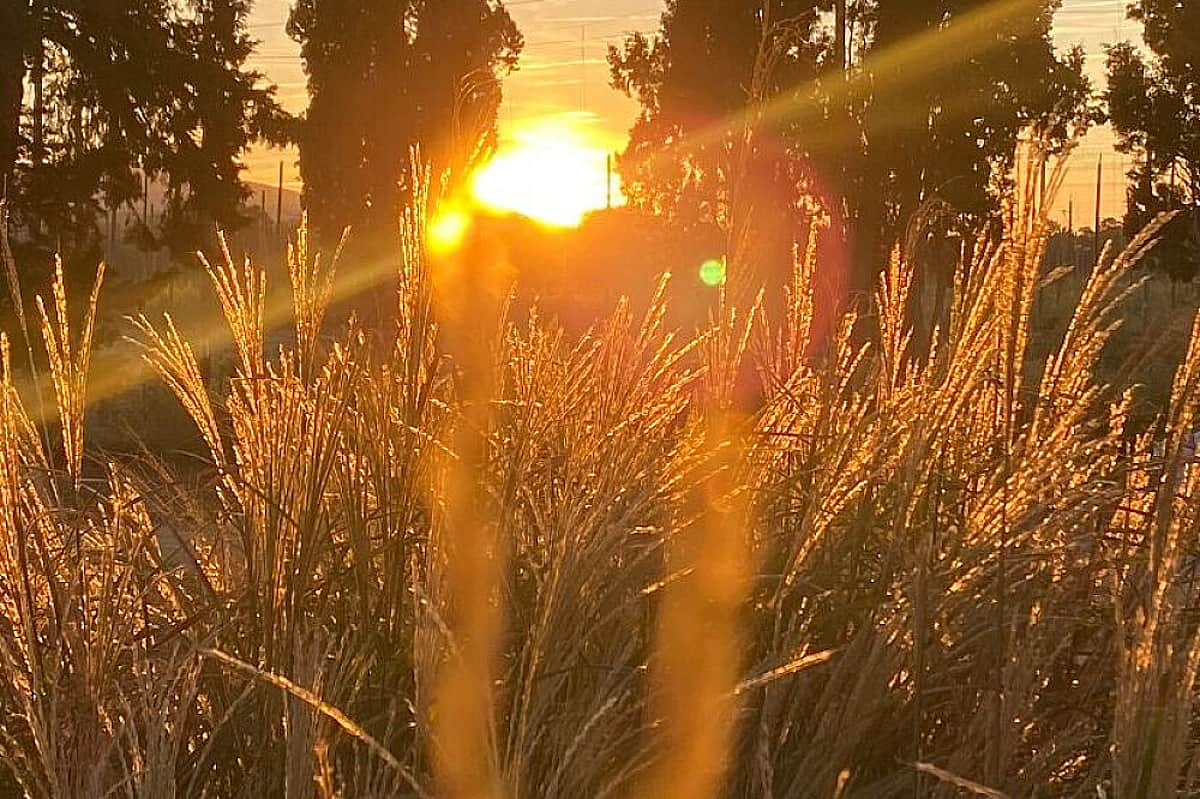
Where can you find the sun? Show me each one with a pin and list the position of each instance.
(549, 170)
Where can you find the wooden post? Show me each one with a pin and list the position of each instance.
(608, 163)
(839, 35)
(279, 204)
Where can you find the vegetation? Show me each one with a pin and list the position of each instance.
(471, 557)
(96, 97)
(925, 545)
(894, 107)
(1154, 104)
(384, 76)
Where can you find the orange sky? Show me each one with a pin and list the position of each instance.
(563, 72)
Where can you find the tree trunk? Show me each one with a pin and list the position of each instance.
(14, 18)
(38, 150)
(839, 34)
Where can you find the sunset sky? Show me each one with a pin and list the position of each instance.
(563, 73)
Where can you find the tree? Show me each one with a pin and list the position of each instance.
(1153, 100)
(956, 83)
(122, 87)
(694, 155)
(916, 101)
(229, 110)
(385, 76)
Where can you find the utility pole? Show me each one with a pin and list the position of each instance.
(153, 253)
(146, 218)
(1071, 232)
(1096, 229)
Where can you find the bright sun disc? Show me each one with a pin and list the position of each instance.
(549, 172)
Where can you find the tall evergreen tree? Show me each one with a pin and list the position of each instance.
(228, 110)
(955, 84)
(385, 76)
(910, 101)
(14, 23)
(699, 82)
(1154, 105)
(120, 87)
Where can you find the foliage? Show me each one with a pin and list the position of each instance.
(384, 76)
(1154, 105)
(689, 145)
(128, 87)
(914, 101)
(903, 571)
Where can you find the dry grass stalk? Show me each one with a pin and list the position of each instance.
(69, 364)
(494, 558)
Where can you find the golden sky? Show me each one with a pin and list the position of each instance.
(563, 73)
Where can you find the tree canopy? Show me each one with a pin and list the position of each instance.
(385, 76)
(1154, 105)
(872, 107)
(120, 89)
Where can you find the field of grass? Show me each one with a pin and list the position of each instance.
(462, 556)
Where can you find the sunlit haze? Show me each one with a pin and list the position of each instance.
(548, 170)
(564, 76)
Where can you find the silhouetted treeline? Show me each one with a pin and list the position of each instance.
(99, 99)
(387, 76)
(759, 116)
(1154, 105)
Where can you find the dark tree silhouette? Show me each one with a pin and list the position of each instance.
(955, 85)
(120, 86)
(910, 101)
(1154, 106)
(385, 76)
(228, 110)
(714, 66)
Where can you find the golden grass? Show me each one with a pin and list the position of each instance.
(469, 557)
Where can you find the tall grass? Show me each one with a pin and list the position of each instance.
(469, 556)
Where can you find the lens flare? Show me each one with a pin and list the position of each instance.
(712, 272)
(551, 171)
(448, 230)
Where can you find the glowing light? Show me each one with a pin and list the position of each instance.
(712, 272)
(549, 170)
(448, 229)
